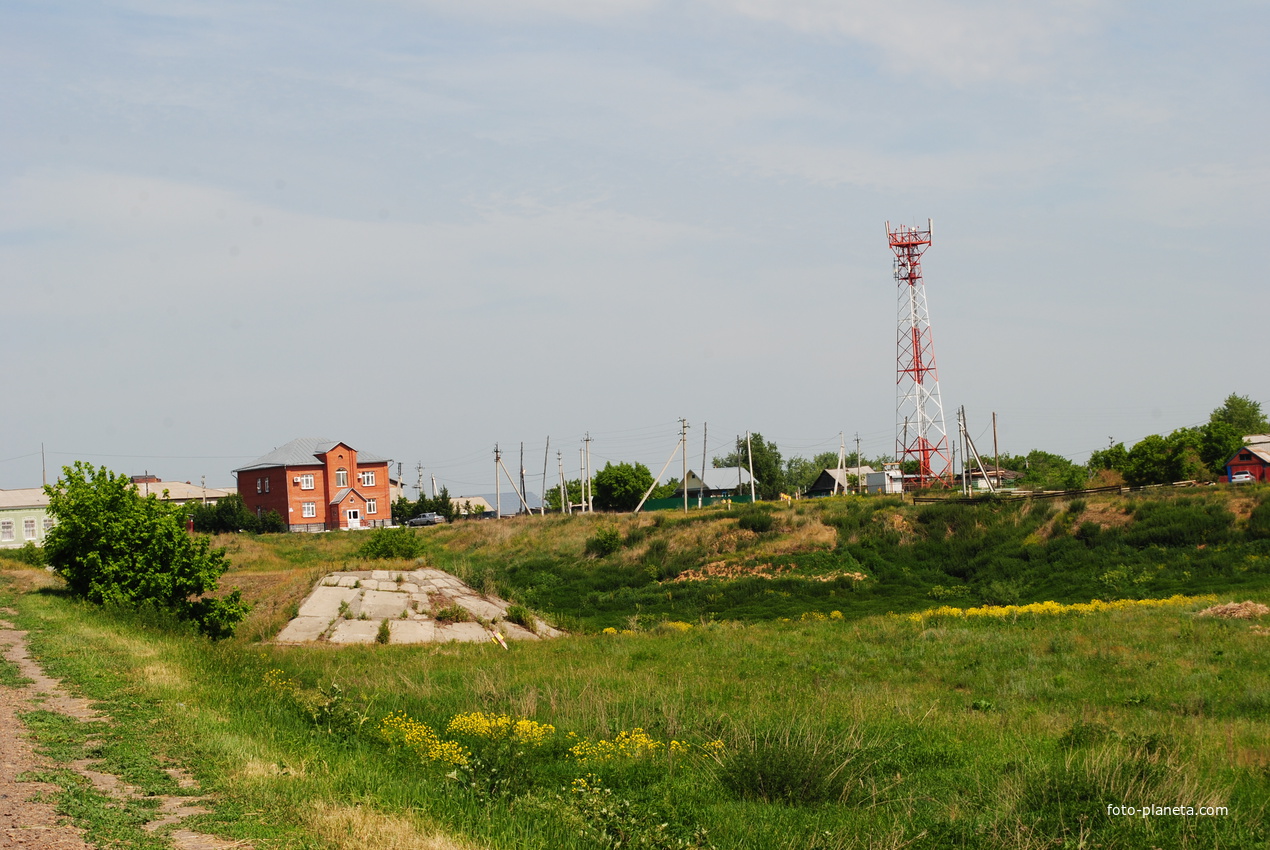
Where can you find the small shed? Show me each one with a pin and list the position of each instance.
(1253, 457)
(833, 481)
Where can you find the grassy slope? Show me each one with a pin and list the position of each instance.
(947, 734)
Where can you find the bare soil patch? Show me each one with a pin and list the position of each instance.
(1236, 611)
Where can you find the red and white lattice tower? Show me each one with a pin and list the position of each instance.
(920, 434)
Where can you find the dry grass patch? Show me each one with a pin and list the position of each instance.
(357, 827)
(1236, 611)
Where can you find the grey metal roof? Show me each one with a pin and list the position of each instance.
(724, 478)
(303, 451)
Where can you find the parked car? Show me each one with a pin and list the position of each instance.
(430, 518)
(1242, 478)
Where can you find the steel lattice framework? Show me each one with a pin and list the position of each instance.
(920, 434)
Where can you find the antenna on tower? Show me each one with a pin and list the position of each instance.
(917, 401)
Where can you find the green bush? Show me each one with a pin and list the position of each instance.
(757, 521)
(605, 542)
(389, 543)
(521, 616)
(113, 546)
(453, 614)
(29, 553)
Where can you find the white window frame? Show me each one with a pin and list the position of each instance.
(366, 478)
(306, 481)
(341, 477)
(371, 507)
(6, 529)
(48, 524)
(260, 483)
(308, 509)
(28, 528)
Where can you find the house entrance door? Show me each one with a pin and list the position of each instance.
(354, 518)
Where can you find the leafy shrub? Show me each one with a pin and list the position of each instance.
(271, 522)
(1259, 521)
(521, 616)
(385, 632)
(757, 521)
(113, 546)
(605, 542)
(389, 543)
(29, 553)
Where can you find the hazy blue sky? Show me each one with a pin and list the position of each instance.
(427, 227)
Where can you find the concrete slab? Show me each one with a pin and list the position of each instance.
(355, 631)
(381, 604)
(408, 587)
(381, 575)
(546, 631)
(303, 630)
(462, 632)
(479, 607)
(413, 631)
(511, 631)
(325, 601)
(348, 581)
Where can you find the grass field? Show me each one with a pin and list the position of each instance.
(687, 727)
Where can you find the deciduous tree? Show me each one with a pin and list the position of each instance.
(113, 545)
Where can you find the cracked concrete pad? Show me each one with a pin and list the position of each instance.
(462, 632)
(511, 631)
(413, 631)
(303, 630)
(347, 581)
(482, 608)
(325, 601)
(381, 604)
(355, 631)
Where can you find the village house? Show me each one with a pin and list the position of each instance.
(1253, 457)
(318, 485)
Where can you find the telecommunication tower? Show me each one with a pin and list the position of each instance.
(920, 434)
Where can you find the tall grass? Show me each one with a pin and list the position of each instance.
(836, 733)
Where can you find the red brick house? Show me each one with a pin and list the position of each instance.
(318, 485)
(1253, 456)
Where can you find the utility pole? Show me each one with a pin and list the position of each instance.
(678, 443)
(564, 494)
(203, 482)
(842, 461)
(705, 446)
(683, 446)
(498, 490)
(590, 493)
(738, 464)
(749, 450)
(522, 474)
(545, 454)
(434, 485)
(996, 454)
(581, 479)
(859, 485)
(44, 470)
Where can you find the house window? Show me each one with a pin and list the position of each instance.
(341, 477)
(48, 524)
(6, 529)
(308, 509)
(371, 507)
(1245, 455)
(306, 482)
(266, 484)
(366, 479)
(260, 484)
(28, 528)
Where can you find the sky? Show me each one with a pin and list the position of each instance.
(429, 228)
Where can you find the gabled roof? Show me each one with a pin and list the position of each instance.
(339, 497)
(721, 478)
(31, 497)
(303, 451)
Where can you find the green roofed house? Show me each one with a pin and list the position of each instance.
(23, 517)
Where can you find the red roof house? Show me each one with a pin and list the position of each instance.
(318, 485)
